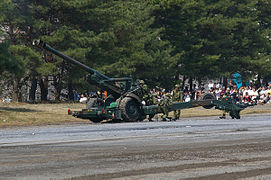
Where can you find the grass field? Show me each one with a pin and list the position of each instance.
(23, 114)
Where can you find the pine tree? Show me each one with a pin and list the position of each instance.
(128, 44)
(262, 63)
(216, 38)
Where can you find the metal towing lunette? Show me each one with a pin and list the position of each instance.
(124, 102)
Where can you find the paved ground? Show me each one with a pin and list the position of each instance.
(194, 148)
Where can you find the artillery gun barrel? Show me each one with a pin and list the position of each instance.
(45, 46)
(112, 85)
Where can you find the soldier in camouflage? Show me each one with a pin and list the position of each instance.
(177, 96)
(146, 97)
(164, 103)
(154, 98)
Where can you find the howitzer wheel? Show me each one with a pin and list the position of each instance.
(130, 109)
(207, 96)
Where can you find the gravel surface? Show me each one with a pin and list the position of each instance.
(191, 148)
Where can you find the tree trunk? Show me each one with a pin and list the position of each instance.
(15, 89)
(43, 88)
(191, 83)
(70, 90)
(15, 79)
(259, 83)
(183, 83)
(58, 87)
(225, 82)
(32, 92)
(58, 82)
(176, 78)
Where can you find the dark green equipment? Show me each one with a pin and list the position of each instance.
(124, 102)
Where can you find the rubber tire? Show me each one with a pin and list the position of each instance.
(207, 96)
(128, 114)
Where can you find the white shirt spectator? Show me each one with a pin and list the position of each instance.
(254, 94)
(83, 99)
(187, 99)
(250, 92)
(218, 93)
(246, 91)
(210, 85)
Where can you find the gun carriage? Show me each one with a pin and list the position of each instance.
(124, 102)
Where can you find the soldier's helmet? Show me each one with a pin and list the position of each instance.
(177, 86)
(141, 82)
(145, 86)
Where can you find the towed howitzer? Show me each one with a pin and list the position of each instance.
(125, 97)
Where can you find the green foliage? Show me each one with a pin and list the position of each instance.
(154, 40)
(130, 46)
(217, 38)
(262, 64)
(26, 55)
(9, 63)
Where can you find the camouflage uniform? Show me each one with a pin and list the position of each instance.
(177, 96)
(164, 104)
(145, 93)
(146, 96)
(154, 98)
(154, 101)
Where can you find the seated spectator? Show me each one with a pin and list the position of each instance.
(75, 95)
(210, 85)
(234, 95)
(245, 90)
(223, 92)
(83, 99)
(247, 98)
(265, 98)
(254, 94)
(218, 85)
(218, 93)
(198, 94)
(227, 93)
(187, 96)
(201, 87)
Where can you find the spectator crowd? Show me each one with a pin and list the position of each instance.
(83, 97)
(5, 99)
(245, 94)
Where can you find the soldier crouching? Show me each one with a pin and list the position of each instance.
(164, 103)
